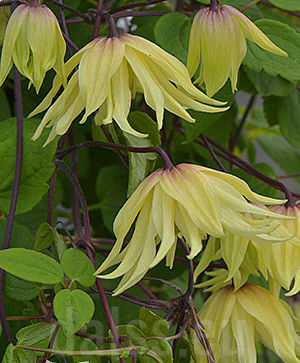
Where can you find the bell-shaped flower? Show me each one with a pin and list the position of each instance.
(218, 43)
(110, 72)
(283, 259)
(246, 255)
(235, 321)
(189, 201)
(34, 43)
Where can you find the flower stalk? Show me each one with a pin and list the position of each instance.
(15, 192)
(89, 248)
(165, 158)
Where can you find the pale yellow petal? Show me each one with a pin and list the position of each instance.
(194, 50)
(278, 324)
(167, 229)
(253, 33)
(244, 333)
(16, 22)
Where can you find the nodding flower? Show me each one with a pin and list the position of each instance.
(218, 43)
(33, 42)
(110, 72)
(187, 200)
(235, 321)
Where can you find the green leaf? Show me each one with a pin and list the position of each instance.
(35, 334)
(256, 184)
(172, 34)
(141, 164)
(204, 120)
(20, 237)
(15, 355)
(285, 38)
(77, 266)
(111, 185)
(73, 309)
(18, 289)
(145, 28)
(76, 343)
(289, 118)
(267, 85)
(8, 355)
(293, 5)
(162, 348)
(45, 237)
(31, 265)
(271, 107)
(152, 325)
(37, 167)
(282, 152)
(4, 105)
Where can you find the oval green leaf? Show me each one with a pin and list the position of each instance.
(31, 265)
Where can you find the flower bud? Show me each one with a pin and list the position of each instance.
(218, 42)
(34, 43)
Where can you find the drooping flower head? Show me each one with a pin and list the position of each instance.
(111, 70)
(235, 320)
(246, 255)
(283, 259)
(34, 43)
(218, 43)
(187, 200)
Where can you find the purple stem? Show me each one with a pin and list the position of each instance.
(124, 14)
(167, 162)
(64, 27)
(79, 13)
(74, 200)
(52, 183)
(109, 139)
(232, 158)
(213, 154)
(98, 19)
(130, 6)
(214, 4)
(146, 290)
(14, 194)
(234, 140)
(256, 172)
(87, 239)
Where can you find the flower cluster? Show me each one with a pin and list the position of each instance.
(251, 233)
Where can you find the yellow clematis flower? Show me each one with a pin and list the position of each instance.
(110, 72)
(187, 200)
(34, 43)
(234, 321)
(4, 16)
(283, 259)
(218, 42)
(245, 255)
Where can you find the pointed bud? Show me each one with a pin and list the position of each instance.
(218, 42)
(34, 43)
